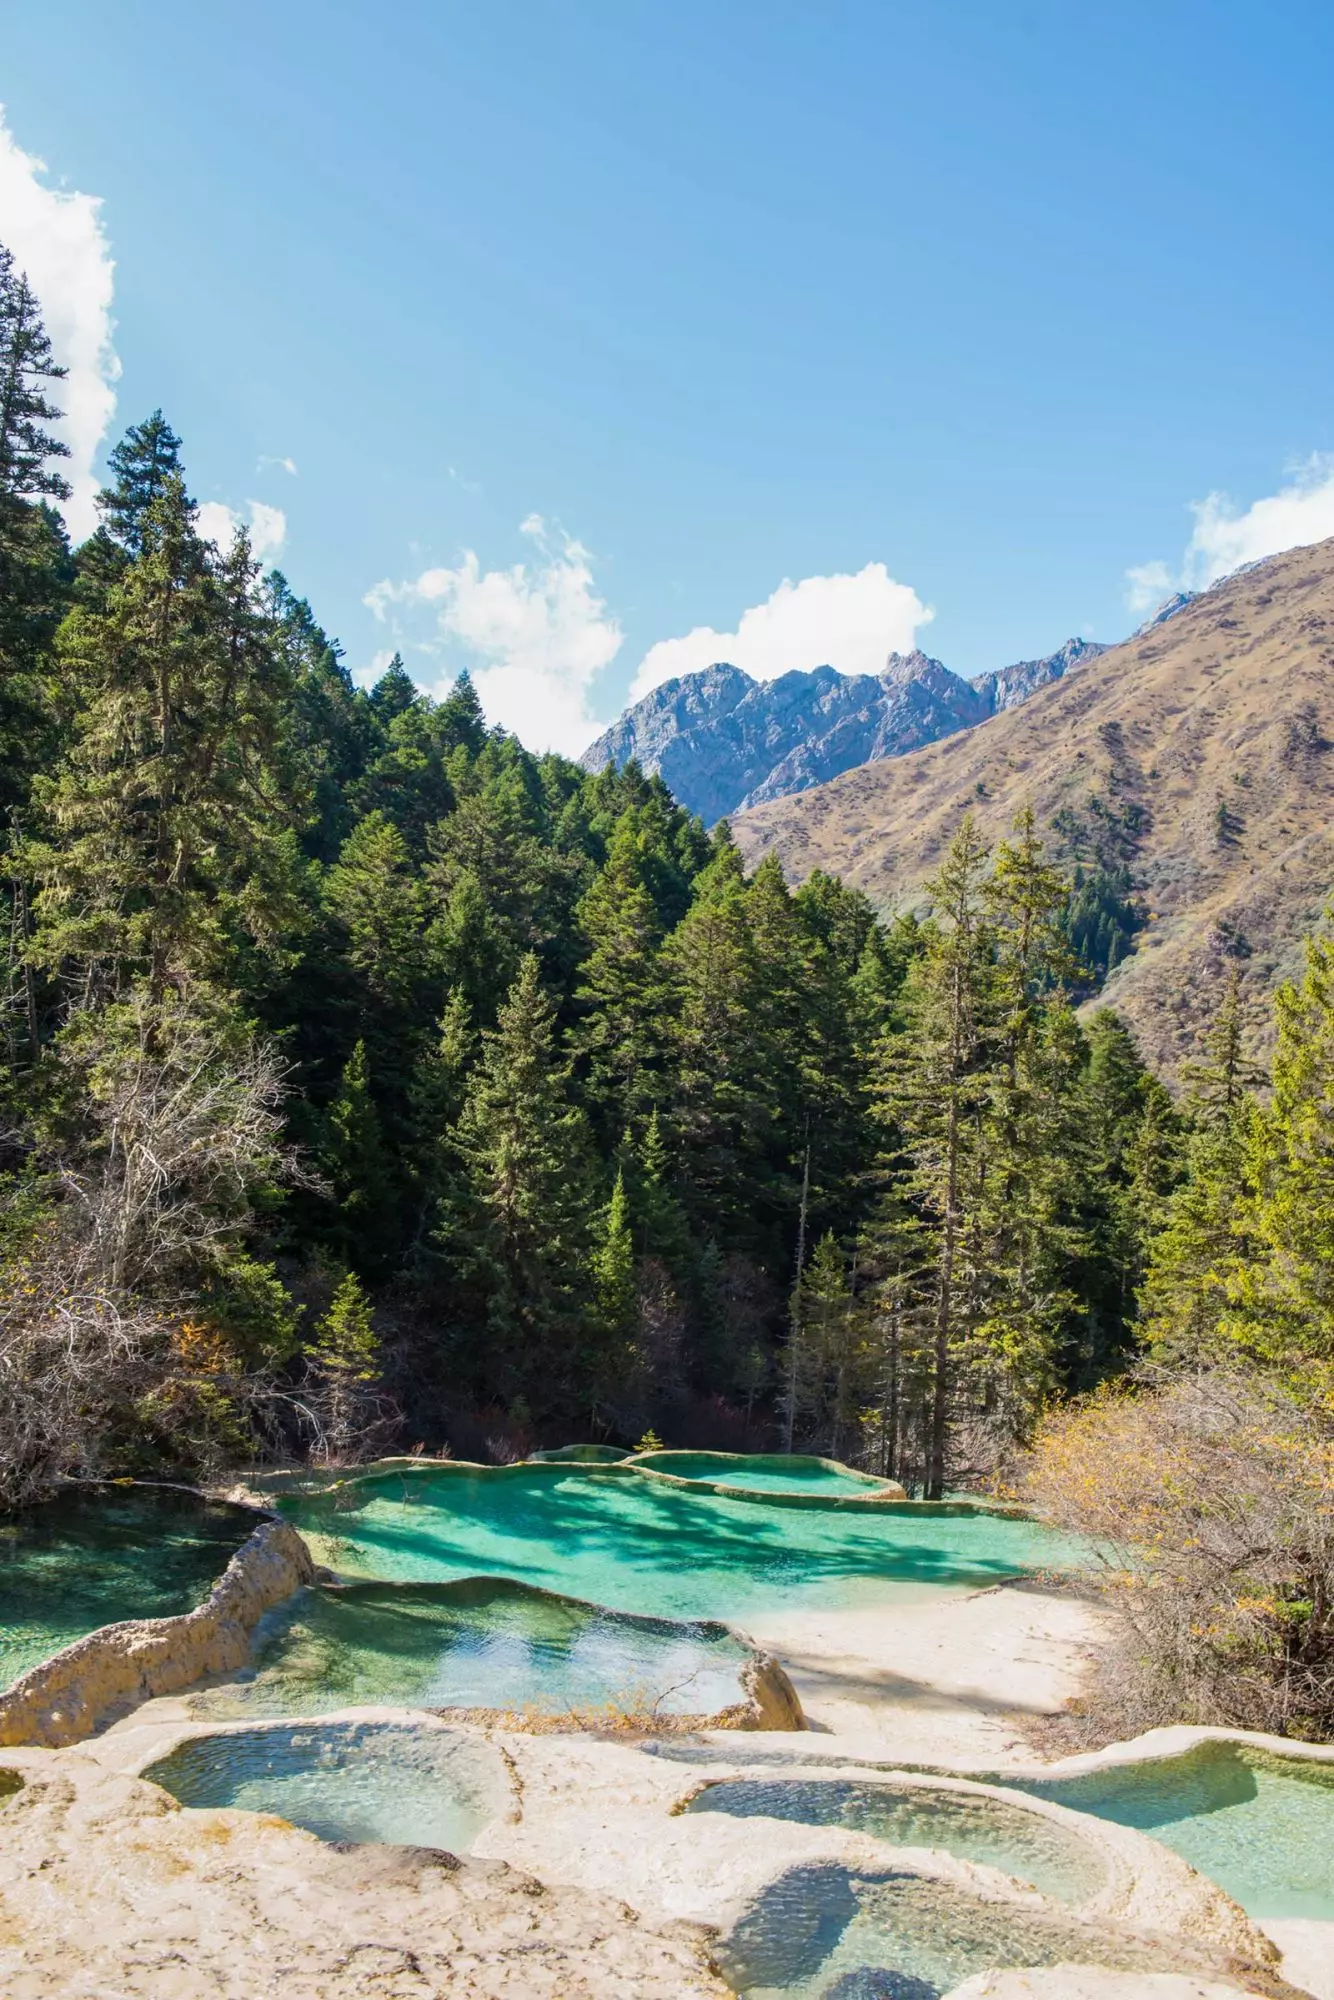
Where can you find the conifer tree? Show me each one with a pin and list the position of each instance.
(364, 1181)
(622, 988)
(525, 1236)
(1280, 1280)
(345, 1356)
(1202, 1229)
(147, 456)
(26, 366)
(615, 1288)
(165, 853)
(938, 1089)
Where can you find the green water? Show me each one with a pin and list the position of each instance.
(761, 1474)
(821, 1933)
(634, 1544)
(347, 1781)
(485, 1643)
(94, 1555)
(1039, 1851)
(1260, 1826)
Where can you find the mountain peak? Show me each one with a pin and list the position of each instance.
(724, 741)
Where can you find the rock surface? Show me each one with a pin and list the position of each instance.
(723, 741)
(67, 1697)
(107, 1889)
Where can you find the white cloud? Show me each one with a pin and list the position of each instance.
(844, 621)
(56, 236)
(267, 526)
(1147, 584)
(1225, 536)
(267, 463)
(540, 631)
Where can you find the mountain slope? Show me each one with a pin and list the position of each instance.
(723, 741)
(1202, 750)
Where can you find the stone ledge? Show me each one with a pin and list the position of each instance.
(67, 1697)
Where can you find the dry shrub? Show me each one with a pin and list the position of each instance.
(1208, 1502)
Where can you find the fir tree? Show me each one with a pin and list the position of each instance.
(622, 989)
(344, 1354)
(147, 457)
(26, 366)
(524, 1235)
(938, 1089)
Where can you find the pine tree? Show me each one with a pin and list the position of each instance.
(938, 1089)
(395, 692)
(170, 848)
(361, 1169)
(525, 1236)
(26, 366)
(344, 1354)
(147, 457)
(724, 1091)
(1280, 1280)
(621, 988)
(615, 1289)
(1200, 1240)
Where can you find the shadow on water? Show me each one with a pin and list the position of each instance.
(1259, 1824)
(99, 1553)
(487, 1642)
(637, 1545)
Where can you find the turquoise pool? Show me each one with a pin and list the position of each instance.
(484, 1643)
(1261, 1826)
(1038, 1850)
(763, 1474)
(614, 1538)
(822, 1932)
(346, 1781)
(94, 1555)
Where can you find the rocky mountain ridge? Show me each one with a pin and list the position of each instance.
(724, 741)
(1199, 754)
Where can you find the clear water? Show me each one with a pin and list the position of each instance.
(580, 1454)
(1041, 1852)
(347, 1781)
(761, 1474)
(822, 1933)
(97, 1554)
(486, 1643)
(1260, 1826)
(634, 1544)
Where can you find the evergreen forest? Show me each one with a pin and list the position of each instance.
(372, 1084)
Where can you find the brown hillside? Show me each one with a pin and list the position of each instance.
(1207, 745)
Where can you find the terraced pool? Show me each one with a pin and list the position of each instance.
(93, 1555)
(1258, 1824)
(758, 1473)
(1042, 1851)
(822, 1932)
(484, 1643)
(414, 1786)
(612, 1537)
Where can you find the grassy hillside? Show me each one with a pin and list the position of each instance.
(1201, 753)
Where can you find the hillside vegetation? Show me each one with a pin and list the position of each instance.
(1198, 758)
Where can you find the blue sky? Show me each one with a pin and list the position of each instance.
(586, 326)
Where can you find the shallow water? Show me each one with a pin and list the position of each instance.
(486, 1643)
(94, 1555)
(635, 1544)
(346, 1781)
(821, 1933)
(762, 1474)
(1037, 1850)
(1260, 1826)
